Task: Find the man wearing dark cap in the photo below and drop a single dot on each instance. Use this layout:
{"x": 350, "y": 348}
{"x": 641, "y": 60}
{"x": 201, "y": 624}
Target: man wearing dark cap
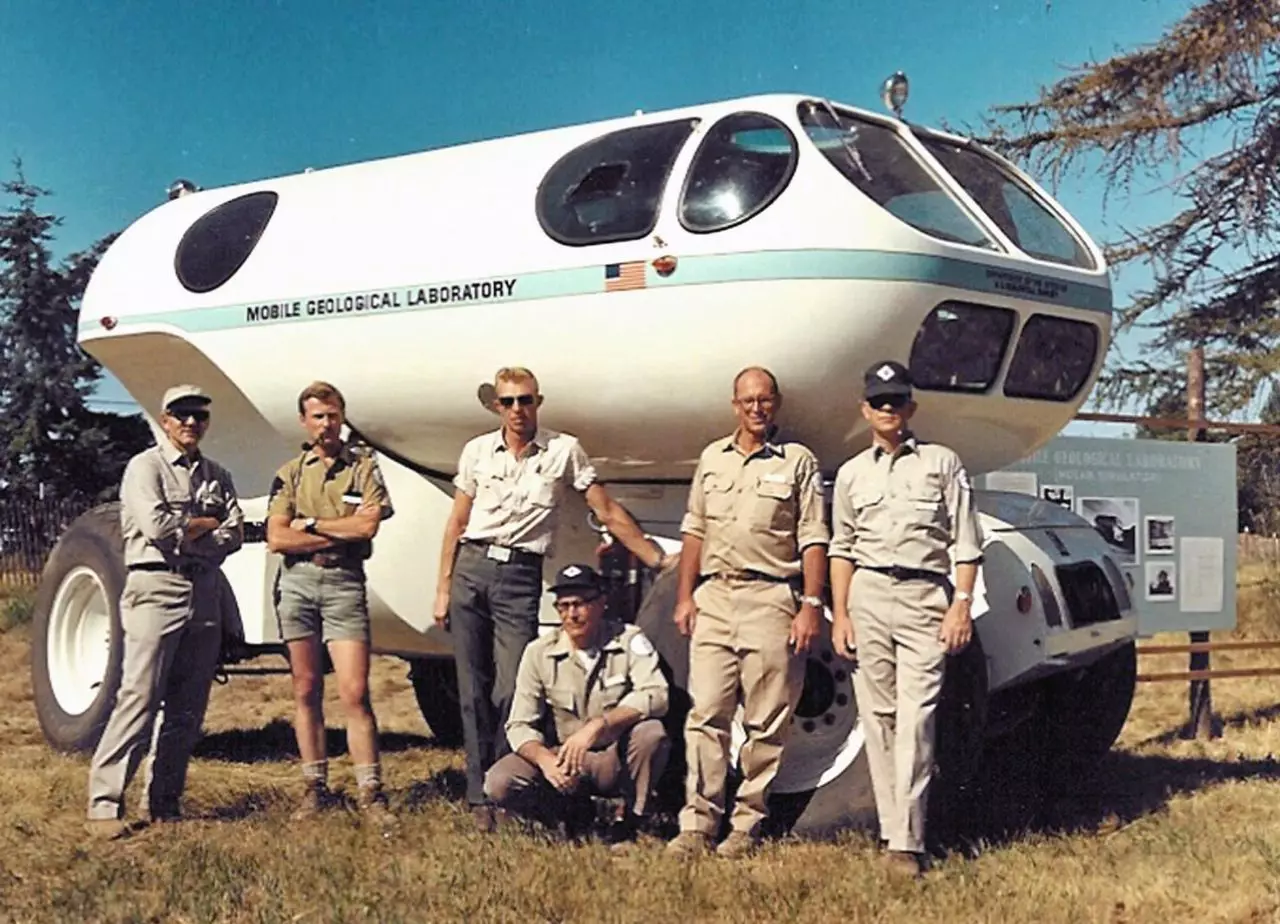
{"x": 180, "y": 518}
{"x": 902, "y": 516}
{"x": 596, "y": 688}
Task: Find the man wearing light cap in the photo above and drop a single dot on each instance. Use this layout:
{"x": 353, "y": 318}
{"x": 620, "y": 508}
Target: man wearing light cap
{"x": 180, "y": 519}
{"x": 596, "y": 686}
{"x": 902, "y": 516}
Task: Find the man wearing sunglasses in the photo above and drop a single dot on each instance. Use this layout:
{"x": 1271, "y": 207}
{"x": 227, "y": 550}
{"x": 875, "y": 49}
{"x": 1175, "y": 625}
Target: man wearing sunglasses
{"x": 596, "y": 688}
{"x": 902, "y": 514}
{"x": 180, "y": 518}
{"x": 509, "y": 486}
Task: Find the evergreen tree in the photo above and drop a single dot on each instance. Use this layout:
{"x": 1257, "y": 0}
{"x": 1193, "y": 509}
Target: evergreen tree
{"x": 51, "y": 444}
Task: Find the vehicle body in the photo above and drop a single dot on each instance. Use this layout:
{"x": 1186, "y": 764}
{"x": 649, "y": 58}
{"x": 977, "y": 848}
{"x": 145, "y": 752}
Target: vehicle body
{"x": 635, "y": 265}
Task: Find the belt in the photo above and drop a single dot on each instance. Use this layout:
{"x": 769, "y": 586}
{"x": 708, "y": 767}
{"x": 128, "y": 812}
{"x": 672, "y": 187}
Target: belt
{"x": 324, "y": 560}
{"x": 188, "y": 570}
{"x": 504, "y": 554}
{"x": 747, "y": 574}
{"x": 908, "y": 574}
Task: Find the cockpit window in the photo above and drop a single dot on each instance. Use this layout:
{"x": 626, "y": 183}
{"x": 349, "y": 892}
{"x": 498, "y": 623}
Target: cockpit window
{"x": 960, "y": 346}
{"x": 876, "y": 159}
{"x": 741, "y": 166}
{"x": 610, "y": 188}
{"x": 1010, "y": 203}
{"x": 216, "y": 245}
{"x": 1053, "y": 358}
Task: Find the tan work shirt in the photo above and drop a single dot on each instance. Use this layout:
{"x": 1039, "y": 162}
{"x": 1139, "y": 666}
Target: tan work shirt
{"x": 162, "y": 490}
{"x": 755, "y": 512}
{"x": 554, "y": 684}
{"x": 516, "y": 498}
{"x": 906, "y": 509}
{"x": 305, "y": 487}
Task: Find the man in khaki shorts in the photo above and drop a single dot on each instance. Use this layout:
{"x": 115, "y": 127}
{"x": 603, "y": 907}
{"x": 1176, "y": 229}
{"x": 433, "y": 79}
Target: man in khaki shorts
{"x": 754, "y": 535}
{"x": 902, "y": 512}
{"x": 180, "y": 519}
{"x": 585, "y": 719}
{"x": 325, "y": 508}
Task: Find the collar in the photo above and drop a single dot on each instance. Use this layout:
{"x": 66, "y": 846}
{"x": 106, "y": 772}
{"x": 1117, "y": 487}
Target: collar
{"x": 345, "y": 454}
{"x": 175, "y": 456}
{"x": 562, "y": 647}
{"x": 909, "y": 444}
{"x": 772, "y": 446}
{"x": 541, "y": 439}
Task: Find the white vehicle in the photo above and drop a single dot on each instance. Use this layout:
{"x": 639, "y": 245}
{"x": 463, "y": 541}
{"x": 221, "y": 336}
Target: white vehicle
{"x": 635, "y": 265}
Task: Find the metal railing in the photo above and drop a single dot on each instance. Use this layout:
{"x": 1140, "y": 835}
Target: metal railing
{"x": 28, "y": 531}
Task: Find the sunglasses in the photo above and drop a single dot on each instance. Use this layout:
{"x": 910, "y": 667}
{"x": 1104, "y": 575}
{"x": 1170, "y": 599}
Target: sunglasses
{"x": 890, "y": 402}
{"x": 513, "y": 400}
{"x": 564, "y": 606}
{"x": 199, "y": 415}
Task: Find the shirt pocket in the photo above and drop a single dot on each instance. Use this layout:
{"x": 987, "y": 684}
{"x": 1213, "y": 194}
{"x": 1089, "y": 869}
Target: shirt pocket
{"x": 491, "y": 491}
{"x": 561, "y": 702}
{"x": 774, "y": 503}
{"x": 540, "y": 490}
{"x": 611, "y": 691}
{"x": 926, "y": 499}
{"x": 863, "y": 499}
{"x": 717, "y": 495}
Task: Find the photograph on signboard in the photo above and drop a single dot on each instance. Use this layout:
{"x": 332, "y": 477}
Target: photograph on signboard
{"x": 1116, "y": 521}
{"x": 1064, "y": 495}
{"x": 1160, "y": 535}
{"x": 1162, "y": 580}
{"x": 1017, "y": 482}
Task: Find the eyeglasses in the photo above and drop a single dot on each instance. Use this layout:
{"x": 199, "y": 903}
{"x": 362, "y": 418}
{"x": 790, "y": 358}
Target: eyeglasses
{"x": 564, "y": 606}
{"x": 890, "y": 402}
{"x": 199, "y": 415}
{"x": 513, "y": 400}
{"x": 766, "y": 402}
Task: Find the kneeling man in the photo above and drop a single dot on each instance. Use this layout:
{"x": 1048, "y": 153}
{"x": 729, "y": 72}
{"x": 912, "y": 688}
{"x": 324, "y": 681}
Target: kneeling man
{"x": 596, "y": 689}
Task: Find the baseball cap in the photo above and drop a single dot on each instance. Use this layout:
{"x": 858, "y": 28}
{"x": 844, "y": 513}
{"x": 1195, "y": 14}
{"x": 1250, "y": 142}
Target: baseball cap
{"x": 193, "y": 393}
{"x": 576, "y": 578}
{"x": 886, "y": 378}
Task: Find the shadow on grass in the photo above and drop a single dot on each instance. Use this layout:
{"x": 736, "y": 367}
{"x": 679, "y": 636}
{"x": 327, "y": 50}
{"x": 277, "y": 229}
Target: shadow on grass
{"x": 1237, "y": 720}
{"x": 275, "y": 741}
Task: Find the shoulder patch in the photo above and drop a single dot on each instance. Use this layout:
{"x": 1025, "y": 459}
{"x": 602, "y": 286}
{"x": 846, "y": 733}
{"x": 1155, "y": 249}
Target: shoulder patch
{"x": 640, "y": 646}
{"x": 962, "y": 479}
{"x": 277, "y": 484}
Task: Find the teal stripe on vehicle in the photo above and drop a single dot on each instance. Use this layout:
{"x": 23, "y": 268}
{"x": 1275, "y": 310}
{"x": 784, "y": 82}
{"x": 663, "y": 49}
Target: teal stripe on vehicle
{"x": 708, "y": 269}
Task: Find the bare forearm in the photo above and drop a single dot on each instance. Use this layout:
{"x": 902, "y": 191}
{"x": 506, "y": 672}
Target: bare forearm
{"x": 813, "y": 563}
{"x": 841, "y": 576}
{"x": 449, "y": 551}
{"x": 966, "y": 577}
{"x": 617, "y": 721}
{"x": 535, "y": 752}
{"x": 690, "y": 565}
{"x": 283, "y": 538}
{"x": 355, "y": 528}
{"x": 628, "y": 532}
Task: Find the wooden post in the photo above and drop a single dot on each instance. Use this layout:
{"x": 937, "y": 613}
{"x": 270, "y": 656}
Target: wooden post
{"x": 1200, "y": 700}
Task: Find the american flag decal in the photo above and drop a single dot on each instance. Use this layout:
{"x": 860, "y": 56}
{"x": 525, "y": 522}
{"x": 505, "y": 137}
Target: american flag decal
{"x": 619, "y": 277}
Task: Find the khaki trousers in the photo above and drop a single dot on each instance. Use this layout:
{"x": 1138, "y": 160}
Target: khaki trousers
{"x": 515, "y": 783}
{"x": 172, "y": 636}
{"x": 738, "y": 654}
{"x": 898, "y": 682}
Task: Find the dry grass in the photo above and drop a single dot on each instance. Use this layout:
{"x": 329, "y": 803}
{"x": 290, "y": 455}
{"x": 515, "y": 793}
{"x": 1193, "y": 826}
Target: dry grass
{"x": 1167, "y": 831}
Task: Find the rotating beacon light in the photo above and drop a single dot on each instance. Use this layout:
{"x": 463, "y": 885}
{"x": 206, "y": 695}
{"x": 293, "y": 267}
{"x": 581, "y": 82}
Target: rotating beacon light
{"x": 894, "y": 91}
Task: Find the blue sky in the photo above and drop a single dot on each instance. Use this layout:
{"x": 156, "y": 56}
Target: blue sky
{"x": 107, "y": 103}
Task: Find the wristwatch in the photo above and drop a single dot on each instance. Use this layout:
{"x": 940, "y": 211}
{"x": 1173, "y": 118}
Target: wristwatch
{"x": 309, "y": 525}
{"x": 813, "y": 601}
{"x": 964, "y": 595}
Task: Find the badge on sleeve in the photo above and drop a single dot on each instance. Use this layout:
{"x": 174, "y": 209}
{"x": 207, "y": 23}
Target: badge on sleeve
{"x": 640, "y": 646}
{"x": 962, "y": 479}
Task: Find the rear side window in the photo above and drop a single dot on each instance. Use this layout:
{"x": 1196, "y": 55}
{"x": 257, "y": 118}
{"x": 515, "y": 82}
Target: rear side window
{"x": 217, "y": 244}
{"x": 960, "y": 347}
{"x": 1011, "y": 204}
{"x": 741, "y": 166}
{"x": 1053, "y": 358}
{"x": 876, "y": 159}
{"x": 610, "y": 188}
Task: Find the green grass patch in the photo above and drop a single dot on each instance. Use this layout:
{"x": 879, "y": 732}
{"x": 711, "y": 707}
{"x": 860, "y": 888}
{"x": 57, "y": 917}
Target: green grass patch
{"x": 16, "y": 608}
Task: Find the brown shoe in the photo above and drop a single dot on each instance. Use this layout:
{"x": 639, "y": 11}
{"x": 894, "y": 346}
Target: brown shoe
{"x": 314, "y": 799}
{"x": 372, "y": 804}
{"x": 688, "y": 844}
{"x": 484, "y": 818}
{"x": 903, "y": 863}
{"x": 108, "y": 829}
{"x": 737, "y": 845}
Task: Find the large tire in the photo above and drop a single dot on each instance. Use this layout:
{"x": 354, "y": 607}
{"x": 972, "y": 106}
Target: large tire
{"x": 77, "y": 643}
{"x": 1084, "y": 710}
{"x": 435, "y": 685}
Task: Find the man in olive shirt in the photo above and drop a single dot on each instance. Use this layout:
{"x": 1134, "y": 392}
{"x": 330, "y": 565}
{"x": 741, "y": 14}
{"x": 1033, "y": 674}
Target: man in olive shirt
{"x": 600, "y": 686}
{"x": 325, "y": 508}
{"x": 180, "y": 518}
{"x": 902, "y": 512}
{"x": 755, "y": 537}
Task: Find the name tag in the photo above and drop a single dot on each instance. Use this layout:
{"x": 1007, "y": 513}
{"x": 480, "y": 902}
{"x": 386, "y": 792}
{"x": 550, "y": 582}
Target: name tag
{"x": 497, "y": 553}
{"x": 352, "y": 499}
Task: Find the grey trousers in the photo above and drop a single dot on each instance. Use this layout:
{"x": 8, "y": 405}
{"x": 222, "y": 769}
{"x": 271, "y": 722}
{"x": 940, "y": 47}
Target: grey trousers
{"x": 172, "y": 634}
{"x": 493, "y": 616}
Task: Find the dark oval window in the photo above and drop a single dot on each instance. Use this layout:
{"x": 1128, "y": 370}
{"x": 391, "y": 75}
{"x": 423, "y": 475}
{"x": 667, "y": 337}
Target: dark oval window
{"x": 216, "y": 246}
{"x": 960, "y": 346}
{"x": 610, "y": 188}
{"x": 741, "y": 166}
{"x": 1053, "y": 358}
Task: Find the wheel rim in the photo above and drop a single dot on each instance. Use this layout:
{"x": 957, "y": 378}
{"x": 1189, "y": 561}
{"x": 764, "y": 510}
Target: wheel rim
{"x": 78, "y": 640}
{"x": 825, "y": 735}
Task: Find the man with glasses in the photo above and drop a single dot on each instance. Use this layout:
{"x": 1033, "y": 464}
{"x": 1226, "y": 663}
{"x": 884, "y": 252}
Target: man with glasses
{"x": 325, "y": 508}
{"x": 596, "y": 689}
{"x": 180, "y": 518}
{"x": 755, "y": 547}
{"x": 510, "y": 483}
{"x": 902, "y": 514}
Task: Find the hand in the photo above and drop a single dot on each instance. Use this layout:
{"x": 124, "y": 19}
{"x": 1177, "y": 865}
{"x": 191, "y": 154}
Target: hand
{"x": 804, "y": 628}
{"x": 843, "y": 638}
{"x": 556, "y": 775}
{"x": 573, "y": 753}
{"x": 685, "y": 616}
{"x": 957, "y": 627}
{"x": 667, "y": 562}
{"x": 441, "y": 610}
{"x": 298, "y": 524}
